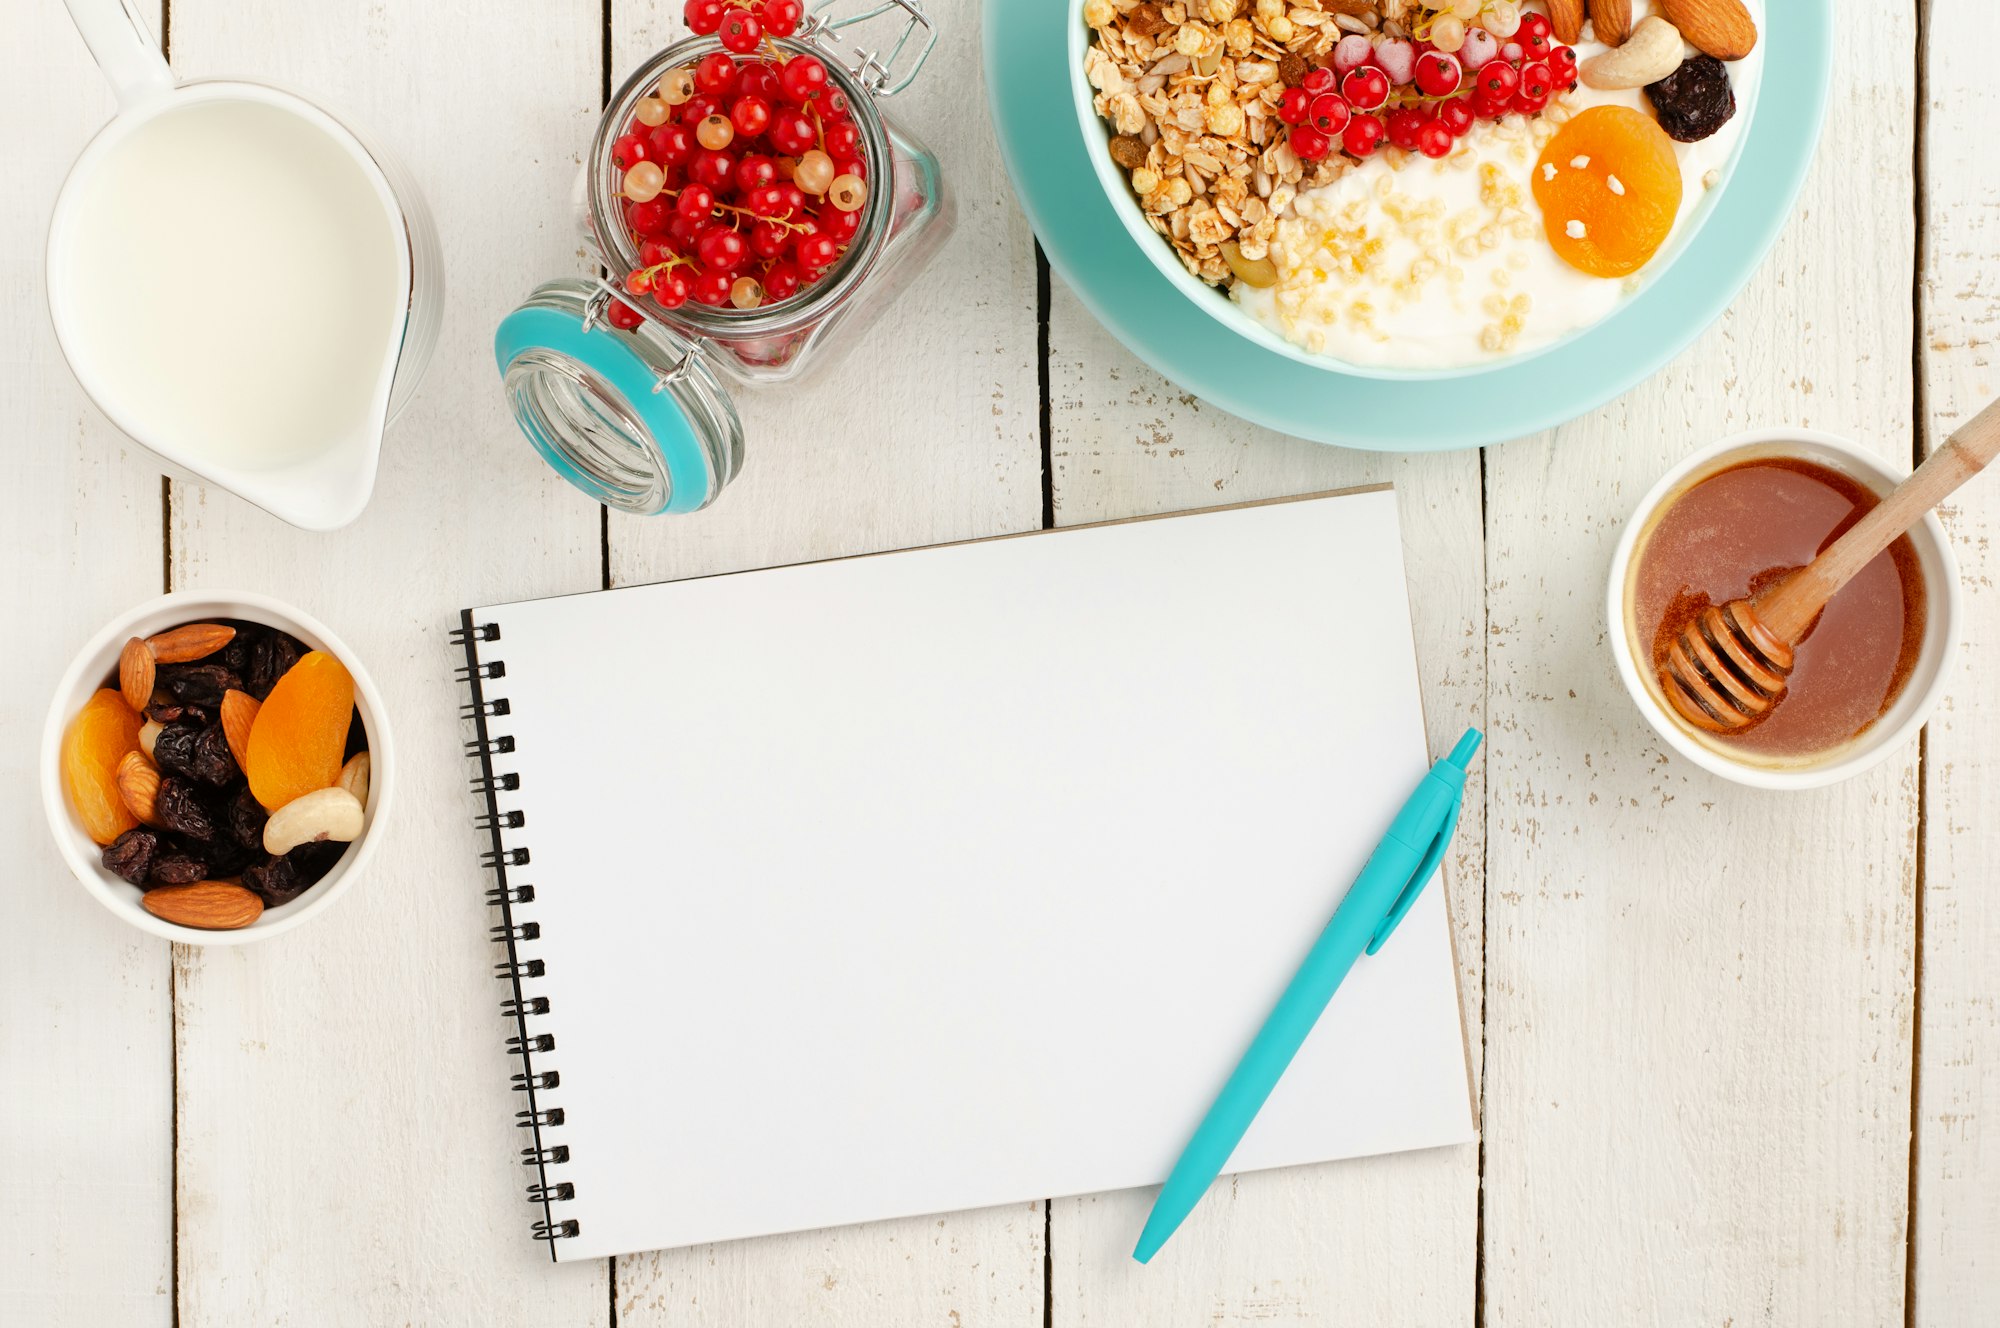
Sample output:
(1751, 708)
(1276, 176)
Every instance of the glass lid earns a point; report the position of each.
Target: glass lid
(633, 417)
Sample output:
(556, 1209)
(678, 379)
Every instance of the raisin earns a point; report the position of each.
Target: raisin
(1292, 69)
(314, 860)
(198, 684)
(180, 809)
(271, 657)
(213, 763)
(246, 819)
(226, 857)
(165, 714)
(1695, 100)
(177, 869)
(357, 738)
(276, 880)
(1146, 21)
(130, 856)
(1129, 151)
(236, 655)
(174, 748)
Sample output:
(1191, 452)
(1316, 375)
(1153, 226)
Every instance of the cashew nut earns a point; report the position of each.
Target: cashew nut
(1651, 53)
(329, 813)
(354, 777)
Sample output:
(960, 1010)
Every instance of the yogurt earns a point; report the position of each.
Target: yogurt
(1412, 262)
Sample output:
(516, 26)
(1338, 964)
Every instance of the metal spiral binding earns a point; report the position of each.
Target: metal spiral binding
(513, 932)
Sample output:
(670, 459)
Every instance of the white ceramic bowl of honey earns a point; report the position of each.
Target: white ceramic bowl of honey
(1925, 648)
(97, 664)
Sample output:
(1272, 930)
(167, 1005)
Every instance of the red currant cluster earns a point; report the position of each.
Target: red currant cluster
(743, 181)
(741, 24)
(1414, 96)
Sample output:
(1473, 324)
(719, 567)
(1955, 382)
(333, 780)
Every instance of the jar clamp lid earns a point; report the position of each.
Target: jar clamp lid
(635, 418)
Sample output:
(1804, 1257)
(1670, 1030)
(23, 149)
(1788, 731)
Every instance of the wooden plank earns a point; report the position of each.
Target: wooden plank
(1698, 996)
(86, 1043)
(1955, 1224)
(926, 431)
(1381, 1240)
(347, 1150)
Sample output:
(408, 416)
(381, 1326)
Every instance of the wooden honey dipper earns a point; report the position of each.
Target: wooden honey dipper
(1728, 668)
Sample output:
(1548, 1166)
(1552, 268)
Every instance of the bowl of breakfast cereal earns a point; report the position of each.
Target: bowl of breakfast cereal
(1413, 188)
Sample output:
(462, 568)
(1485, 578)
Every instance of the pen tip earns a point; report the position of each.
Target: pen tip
(1467, 745)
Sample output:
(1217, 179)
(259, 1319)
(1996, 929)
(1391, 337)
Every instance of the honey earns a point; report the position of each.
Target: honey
(1739, 530)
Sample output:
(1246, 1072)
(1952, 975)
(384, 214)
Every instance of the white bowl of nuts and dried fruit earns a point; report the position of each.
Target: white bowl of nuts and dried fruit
(1413, 188)
(216, 767)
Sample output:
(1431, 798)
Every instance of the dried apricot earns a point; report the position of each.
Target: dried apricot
(300, 733)
(98, 738)
(1609, 186)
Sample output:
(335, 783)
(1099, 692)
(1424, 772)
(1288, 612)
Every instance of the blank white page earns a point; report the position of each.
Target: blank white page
(962, 876)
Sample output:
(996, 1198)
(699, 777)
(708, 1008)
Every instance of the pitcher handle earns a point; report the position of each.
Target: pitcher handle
(124, 49)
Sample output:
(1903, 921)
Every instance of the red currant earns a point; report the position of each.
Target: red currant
(853, 166)
(712, 168)
(755, 172)
(781, 281)
(1318, 81)
(697, 202)
(791, 200)
(1309, 143)
(1527, 105)
(1434, 139)
(751, 116)
(1438, 74)
(757, 80)
(670, 290)
(1458, 116)
(842, 140)
(721, 249)
(715, 74)
(670, 144)
(698, 108)
(1365, 88)
(1404, 124)
(1363, 135)
(685, 230)
(791, 132)
(639, 282)
(628, 152)
(814, 251)
(1294, 106)
(703, 16)
(1329, 115)
(1537, 82)
(835, 103)
(1533, 36)
(623, 316)
(741, 31)
(1498, 79)
(653, 253)
(1562, 64)
(650, 218)
(765, 201)
(802, 79)
(712, 288)
(842, 226)
(781, 17)
(769, 240)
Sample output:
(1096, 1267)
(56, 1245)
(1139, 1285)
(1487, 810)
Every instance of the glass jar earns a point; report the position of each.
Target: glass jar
(638, 417)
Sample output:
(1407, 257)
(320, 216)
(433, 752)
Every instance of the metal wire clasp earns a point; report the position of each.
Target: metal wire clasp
(683, 366)
(884, 76)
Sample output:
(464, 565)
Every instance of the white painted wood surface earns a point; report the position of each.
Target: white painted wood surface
(1956, 1216)
(86, 1163)
(1697, 1082)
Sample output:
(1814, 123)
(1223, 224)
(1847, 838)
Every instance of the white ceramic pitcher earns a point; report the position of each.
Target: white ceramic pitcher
(240, 282)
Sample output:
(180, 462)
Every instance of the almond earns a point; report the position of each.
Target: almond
(354, 777)
(1566, 18)
(208, 905)
(135, 674)
(239, 712)
(1611, 21)
(1721, 28)
(195, 641)
(138, 786)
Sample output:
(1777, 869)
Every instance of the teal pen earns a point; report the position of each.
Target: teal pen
(1397, 872)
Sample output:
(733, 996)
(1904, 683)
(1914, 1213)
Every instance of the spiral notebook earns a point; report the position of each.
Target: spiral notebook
(953, 877)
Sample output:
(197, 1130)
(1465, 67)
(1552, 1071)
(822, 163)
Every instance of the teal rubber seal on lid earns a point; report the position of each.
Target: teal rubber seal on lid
(553, 335)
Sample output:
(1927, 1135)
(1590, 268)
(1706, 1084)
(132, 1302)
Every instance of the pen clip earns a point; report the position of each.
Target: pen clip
(1433, 858)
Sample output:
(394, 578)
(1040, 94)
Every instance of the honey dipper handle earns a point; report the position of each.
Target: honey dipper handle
(1793, 603)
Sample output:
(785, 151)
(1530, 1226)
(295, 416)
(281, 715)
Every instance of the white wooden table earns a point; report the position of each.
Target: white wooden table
(1752, 1095)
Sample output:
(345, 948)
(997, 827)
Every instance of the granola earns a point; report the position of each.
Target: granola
(1191, 91)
